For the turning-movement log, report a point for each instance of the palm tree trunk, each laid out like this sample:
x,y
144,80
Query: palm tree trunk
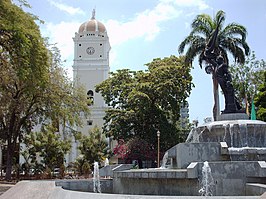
x,y
216,106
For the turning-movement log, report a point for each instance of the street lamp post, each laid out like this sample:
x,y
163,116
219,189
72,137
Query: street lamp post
x,y
158,155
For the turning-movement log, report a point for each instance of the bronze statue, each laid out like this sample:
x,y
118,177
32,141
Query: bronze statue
x,y
216,66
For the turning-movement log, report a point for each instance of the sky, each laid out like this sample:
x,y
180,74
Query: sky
x,y
141,30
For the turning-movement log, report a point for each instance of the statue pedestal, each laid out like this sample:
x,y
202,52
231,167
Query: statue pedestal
x,y
232,116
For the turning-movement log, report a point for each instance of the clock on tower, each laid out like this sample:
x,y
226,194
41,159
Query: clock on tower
x,y
90,50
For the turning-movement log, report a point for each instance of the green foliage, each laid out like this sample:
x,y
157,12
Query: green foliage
x,y
92,148
46,147
33,86
247,77
260,100
231,38
144,101
24,3
78,165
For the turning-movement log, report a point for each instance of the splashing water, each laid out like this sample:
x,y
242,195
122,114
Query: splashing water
x,y
207,182
106,162
231,131
96,178
164,161
194,135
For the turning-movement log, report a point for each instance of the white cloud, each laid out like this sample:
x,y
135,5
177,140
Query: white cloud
x,y
147,24
187,3
62,35
69,9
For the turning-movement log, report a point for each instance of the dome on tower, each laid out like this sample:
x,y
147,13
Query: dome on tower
x,y
92,25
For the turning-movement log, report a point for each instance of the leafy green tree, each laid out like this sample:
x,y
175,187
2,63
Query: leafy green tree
x,y
33,86
246,79
146,101
93,148
260,100
49,146
231,38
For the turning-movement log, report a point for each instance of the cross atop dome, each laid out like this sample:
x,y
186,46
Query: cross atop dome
x,y
93,14
92,25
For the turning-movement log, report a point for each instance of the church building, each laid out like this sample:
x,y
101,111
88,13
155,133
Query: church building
x,y
90,67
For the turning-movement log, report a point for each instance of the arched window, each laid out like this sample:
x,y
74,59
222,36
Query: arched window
x,y
90,97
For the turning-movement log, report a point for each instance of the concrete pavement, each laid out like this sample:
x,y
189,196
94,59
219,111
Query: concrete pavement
x,y
48,190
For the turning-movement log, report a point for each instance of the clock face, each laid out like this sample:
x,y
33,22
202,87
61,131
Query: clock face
x,y
90,50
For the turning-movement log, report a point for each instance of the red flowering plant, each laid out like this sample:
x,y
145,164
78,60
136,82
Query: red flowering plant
x,y
121,149
139,149
135,149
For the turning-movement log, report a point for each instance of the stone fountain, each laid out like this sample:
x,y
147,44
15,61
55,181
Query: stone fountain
x,y
234,149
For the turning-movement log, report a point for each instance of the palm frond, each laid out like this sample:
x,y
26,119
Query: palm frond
x,y
231,38
235,51
219,18
184,43
243,45
201,58
246,48
193,51
239,55
235,30
202,20
235,46
201,30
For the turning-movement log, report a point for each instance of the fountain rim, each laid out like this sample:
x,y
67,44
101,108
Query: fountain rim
x,y
228,122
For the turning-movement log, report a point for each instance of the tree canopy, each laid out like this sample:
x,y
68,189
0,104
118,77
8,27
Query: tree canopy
x,y
247,78
92,147
33,85
48,145
260,100
146,101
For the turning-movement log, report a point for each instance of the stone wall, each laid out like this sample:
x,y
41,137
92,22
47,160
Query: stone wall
x,y
85,185
153,186
185,153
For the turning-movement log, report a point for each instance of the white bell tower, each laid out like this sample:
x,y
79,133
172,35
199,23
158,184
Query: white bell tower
x,y
91,67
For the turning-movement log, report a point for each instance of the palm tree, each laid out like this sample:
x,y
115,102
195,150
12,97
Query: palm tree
x,y
231,38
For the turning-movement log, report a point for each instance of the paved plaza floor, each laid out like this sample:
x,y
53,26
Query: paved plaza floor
x,y
48,190
5,186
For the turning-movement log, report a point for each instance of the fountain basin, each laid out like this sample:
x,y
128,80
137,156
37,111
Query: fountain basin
x,y
230,179
85,185
236,133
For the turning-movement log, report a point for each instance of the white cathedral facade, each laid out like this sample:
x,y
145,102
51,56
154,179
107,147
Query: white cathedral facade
x,y
90,67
